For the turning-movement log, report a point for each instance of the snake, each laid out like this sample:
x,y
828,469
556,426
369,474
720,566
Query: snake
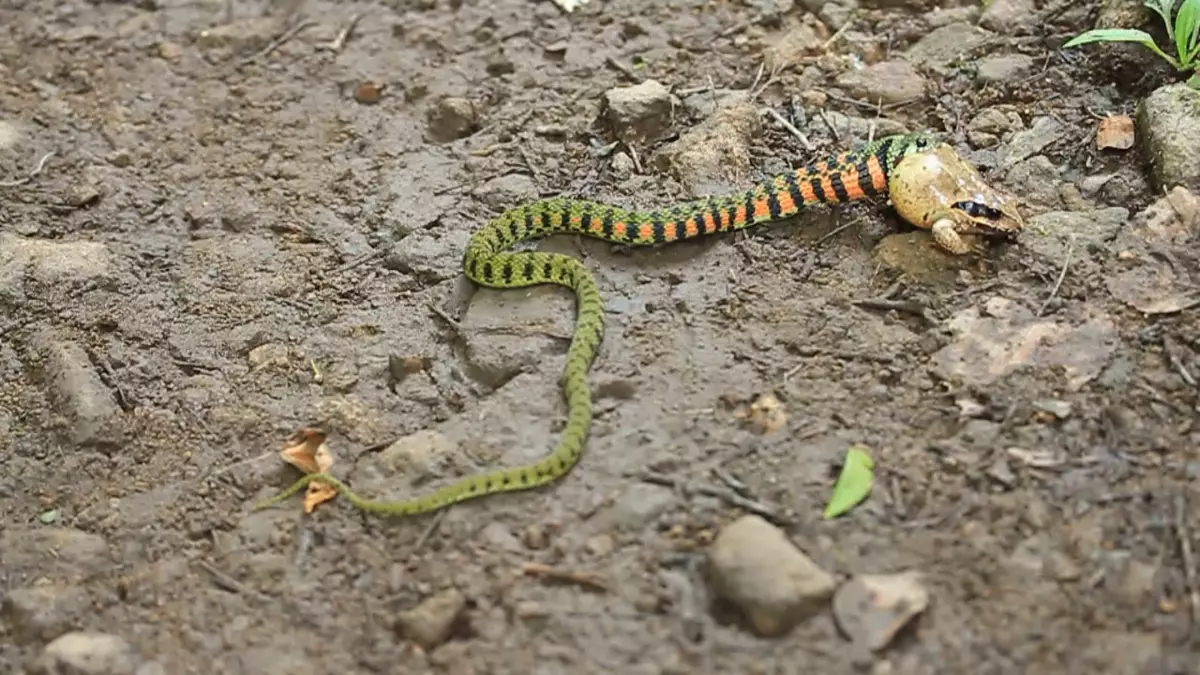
x,y
491,261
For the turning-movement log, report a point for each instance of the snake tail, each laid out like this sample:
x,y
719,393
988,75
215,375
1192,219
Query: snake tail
x,y
490,261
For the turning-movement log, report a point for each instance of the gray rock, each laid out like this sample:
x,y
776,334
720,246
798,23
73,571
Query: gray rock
x,y
431,623
1027,143
753,565
451,118
872,608
87,653
714,156
1036,180
43,612
792,47
1004,68
53,552
941,46
1050,233
33,266
510,332
892,81
430,255
80,395
1168,122
1006,16
638,506
245,35
504,192
991,124
639,113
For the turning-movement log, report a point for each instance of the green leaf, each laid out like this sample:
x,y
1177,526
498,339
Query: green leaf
x,y
854,483
1163,9
1187,31
1120,35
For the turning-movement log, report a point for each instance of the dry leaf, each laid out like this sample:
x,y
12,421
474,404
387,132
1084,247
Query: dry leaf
x,y
766,414
1116,132
309,453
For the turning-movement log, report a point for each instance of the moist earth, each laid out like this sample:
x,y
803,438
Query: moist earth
x,y
224,222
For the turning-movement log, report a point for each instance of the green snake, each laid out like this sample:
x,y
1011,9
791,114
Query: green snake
x,y
491,261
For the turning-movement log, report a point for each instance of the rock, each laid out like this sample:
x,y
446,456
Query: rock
x,y
430,255
408,461
1036,180
638,506
10,134
452,118
432,622
793,46
38,267
871,608
1088,229
1027,143
45,611
754,566
1004,68
1168,122
942,46
52,552
1007,16
892,81
245,35
505,192
640,113
1002,337
1144,279
87,653
714,156
80,395
508,332
1123,14
986,129
1122,652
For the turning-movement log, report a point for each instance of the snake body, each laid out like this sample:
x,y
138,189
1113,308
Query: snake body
x,y
490,261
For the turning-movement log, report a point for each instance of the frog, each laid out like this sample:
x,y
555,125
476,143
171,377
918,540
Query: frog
x,y
937,189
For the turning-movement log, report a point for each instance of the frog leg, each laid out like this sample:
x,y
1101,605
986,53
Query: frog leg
x,y
947,226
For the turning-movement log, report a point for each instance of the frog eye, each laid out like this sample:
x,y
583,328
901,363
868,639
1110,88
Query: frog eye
x,y
979,210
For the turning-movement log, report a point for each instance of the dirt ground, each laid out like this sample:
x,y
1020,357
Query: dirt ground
x,y
233,239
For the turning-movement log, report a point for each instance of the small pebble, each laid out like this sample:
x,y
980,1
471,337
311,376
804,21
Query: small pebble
x,y
753,565
87,653
871,608
431,623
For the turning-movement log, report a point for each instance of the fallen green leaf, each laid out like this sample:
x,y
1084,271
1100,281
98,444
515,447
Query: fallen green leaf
x,y
48,517
854,483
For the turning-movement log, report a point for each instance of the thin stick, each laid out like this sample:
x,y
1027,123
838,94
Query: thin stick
x,y
1061,275
433,526
32,174
790,127
1189,559
588,579
338,42
276,43
729,496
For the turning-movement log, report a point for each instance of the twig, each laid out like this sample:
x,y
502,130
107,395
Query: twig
x,y
622,68
914,308
338,42
32,174
836,231
790,127
1189,559
586,579
458,328
433,526
729,496
276,43
1061,275
228,583
1172,349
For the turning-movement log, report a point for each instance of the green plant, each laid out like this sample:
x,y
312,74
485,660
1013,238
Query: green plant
x,y
1184,31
